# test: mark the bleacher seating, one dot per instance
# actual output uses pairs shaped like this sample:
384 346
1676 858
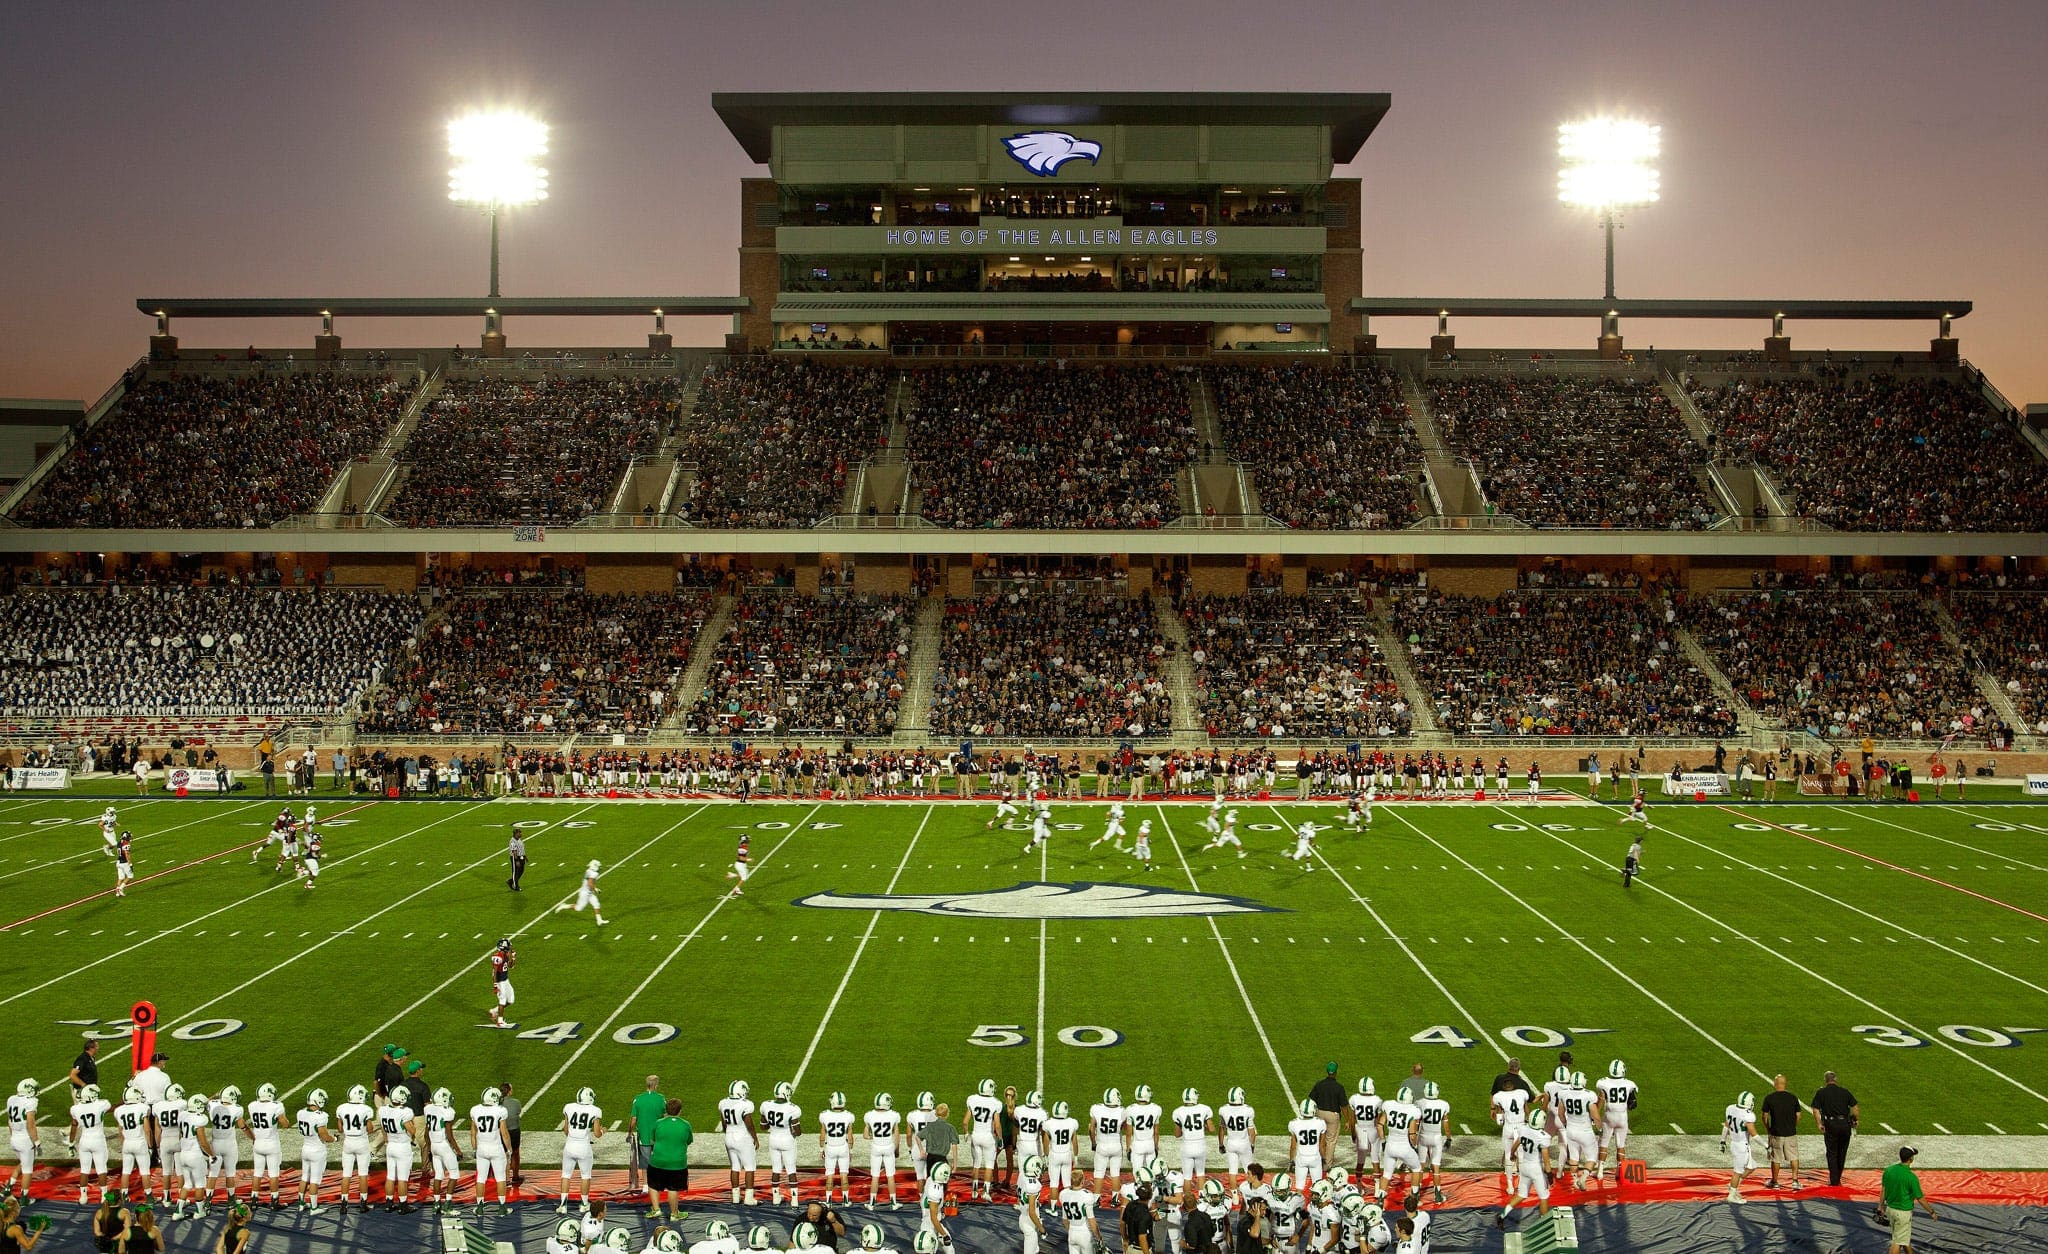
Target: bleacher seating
794 664
1041 665
2008 633
214 450
1328 448
1569 450
1566 662
512 450
1280 667
1881 452
775 441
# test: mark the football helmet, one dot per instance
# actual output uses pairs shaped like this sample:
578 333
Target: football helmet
941 1173
90 1093
1034 1166
1144 1093
669 1241
317 1099
266 1092
987 1088
1189 1097
925 1242
569 1232
1059 1110
884 1102
717 1230
1283 1184
871 1236
925 1100
1308 1109
443 1097
1371 1216
1034 1098
805 1237
27 1088
1110 1097
492 1097
131 1094
1578 1079
357 1093
1563 1075
1430 1091
1617 1069
620 1239
504 944
1234 1096
1354 1207
759 1238
196 1104
399 1094
784 1090
1143 1175
232 1095
1746 1100
1212 1190
838 1101
586 1096
1365 1087
591 869
175 1093
737 1090
1320 1191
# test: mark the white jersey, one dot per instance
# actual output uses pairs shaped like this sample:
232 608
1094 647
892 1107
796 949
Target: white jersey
440 1122
1365 1111
354 1118
1030 1126
1306 1135
1434 1116
266 1120
1617 1097
732 1117
309 1124
168 1124
392 1119
1106 1125
1192 1121
91 1118
881 1127
1738 1125
581 1119
222 1117
1552 1092
1511 1108
488 1122
1075 1207
133 1120
836 1125
1399 1117
983 1113
1144 1120
781 1121
1529 1143
20 1110
1238 1121
1060 1135
1575 1108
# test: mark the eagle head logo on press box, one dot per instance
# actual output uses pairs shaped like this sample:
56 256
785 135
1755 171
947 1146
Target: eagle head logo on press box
1044 152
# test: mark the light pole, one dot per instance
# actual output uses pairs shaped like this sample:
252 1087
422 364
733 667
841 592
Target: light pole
1607 168
495 155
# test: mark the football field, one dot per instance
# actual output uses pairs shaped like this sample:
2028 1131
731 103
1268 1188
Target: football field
905 946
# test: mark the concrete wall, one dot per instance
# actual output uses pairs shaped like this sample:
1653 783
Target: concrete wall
1216 576
1471 579
611 573
394 574
889 575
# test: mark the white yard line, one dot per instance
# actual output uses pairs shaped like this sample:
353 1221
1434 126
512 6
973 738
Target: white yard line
1038 1037
100 849
468 967
1279 1073
602 1028
1788 960
1875 918
844 980
1595 954
458 873
1980 816
1470 1018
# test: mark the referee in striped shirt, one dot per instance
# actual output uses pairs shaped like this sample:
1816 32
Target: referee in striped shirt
517 851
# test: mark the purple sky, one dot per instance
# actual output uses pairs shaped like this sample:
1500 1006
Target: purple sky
1863 150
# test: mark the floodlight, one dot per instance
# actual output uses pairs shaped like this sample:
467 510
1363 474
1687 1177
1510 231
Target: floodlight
1607 168
495 154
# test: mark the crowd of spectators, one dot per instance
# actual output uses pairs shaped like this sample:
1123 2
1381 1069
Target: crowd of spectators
1840 663
1882 452
1019 663
1557 450
214 451
541 663
547 450
1049 445
1278 667
1328 448
168 651
775 439
1577 663
2006 633
808 664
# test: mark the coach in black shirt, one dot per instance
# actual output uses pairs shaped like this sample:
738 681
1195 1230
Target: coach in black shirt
1197 1232
1835 1108
1512 1078
1137 1221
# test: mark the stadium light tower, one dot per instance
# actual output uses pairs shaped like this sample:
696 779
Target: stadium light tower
495 154
1607 167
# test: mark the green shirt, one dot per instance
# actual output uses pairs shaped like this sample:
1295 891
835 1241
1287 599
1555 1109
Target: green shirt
1901 1187
647 1111
672 1137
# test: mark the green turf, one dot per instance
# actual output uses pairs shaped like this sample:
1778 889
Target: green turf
1715 970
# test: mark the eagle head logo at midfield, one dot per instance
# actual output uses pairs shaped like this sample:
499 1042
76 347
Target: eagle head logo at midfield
1044 152
1037 900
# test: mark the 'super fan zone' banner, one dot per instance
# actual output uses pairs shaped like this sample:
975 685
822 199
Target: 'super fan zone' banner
39 777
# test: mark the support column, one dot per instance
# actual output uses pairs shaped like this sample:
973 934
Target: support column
326 345
1443 343
1365 343
1777 345
659 340
494 336
1610 336
163 346
1947 348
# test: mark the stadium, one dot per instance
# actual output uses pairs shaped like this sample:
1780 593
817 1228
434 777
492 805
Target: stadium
1049 647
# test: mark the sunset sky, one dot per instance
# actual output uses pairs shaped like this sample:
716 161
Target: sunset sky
1812 150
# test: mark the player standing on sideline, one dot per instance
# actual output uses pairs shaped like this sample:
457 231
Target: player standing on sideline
741 867
1077 1207
1433 1135
582 1124
1030 1116
488 1146
1738 1125
1193 1119
309 861
1399 1127
124 864
736 1120
1305 845
314 1138
355 1119
445 1165
586 895
1145 1117
884 1127
1029 1181
984 1112
224 1118
194 1148
835 1146
89 1134
1617 1098
1141 844
1309 1136
1363 1109
782 1119
1579 1110
913 1127
1062 1131
1529 1144
931 1205
1113 831
1511 1112
1237 1133
167 1113
401 1143
502 959
133 1117
1553 1092
264 1120
1106 1123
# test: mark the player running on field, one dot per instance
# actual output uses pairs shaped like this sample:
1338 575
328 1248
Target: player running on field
1636 812
1141 844
1305 845
124 864
1228 834
1113 831
1041 827
742 867
1359 810
1006 807
586 894
309 860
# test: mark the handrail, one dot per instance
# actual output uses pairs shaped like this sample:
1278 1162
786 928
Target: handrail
189 362
92 416
478 367
1547 365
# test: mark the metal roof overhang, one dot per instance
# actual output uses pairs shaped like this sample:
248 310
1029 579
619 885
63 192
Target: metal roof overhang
1472 307
442 306
1044 307
753 116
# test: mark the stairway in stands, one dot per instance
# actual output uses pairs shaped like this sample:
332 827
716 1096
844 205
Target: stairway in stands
914 712
1697 654
1394 651
1987 683
703 651
1180 671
